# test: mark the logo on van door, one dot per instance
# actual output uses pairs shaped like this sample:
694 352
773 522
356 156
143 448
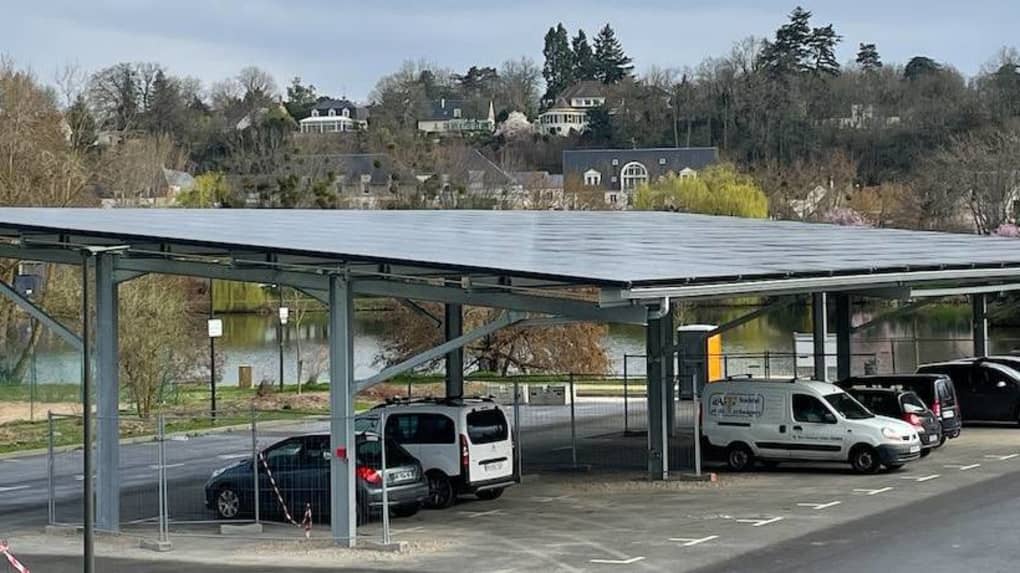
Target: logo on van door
737 405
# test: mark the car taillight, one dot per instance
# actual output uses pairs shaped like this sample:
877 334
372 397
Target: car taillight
912 419
465 455
936 409
368 474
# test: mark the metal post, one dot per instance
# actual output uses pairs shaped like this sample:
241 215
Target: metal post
343 525
892 354
664 422
385 487
843 350
279 322
518 452
626 409
107 396
453 326
255 461
768 366
979 321
50 472
917 344
88 511
212 358
655 395
697 425
819 330
33 389
573 425
161 444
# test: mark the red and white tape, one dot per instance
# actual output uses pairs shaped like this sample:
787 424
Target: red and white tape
5 550
306 521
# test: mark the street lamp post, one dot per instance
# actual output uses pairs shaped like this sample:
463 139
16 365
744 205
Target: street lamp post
284 314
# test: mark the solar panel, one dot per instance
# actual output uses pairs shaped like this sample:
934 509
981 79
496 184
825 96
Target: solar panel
608 248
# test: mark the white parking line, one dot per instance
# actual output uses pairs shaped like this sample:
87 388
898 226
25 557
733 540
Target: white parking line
760 522
873 491
233 456
168 466
963 468
474 514
617 561
1001 458
691 542
548 499
820 506
13 488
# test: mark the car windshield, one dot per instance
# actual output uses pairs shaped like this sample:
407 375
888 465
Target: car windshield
846 405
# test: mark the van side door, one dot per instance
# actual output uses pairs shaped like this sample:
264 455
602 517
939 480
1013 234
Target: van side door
430 437
816 433
996 393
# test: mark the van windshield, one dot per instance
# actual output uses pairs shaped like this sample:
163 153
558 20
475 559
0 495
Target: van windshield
846 405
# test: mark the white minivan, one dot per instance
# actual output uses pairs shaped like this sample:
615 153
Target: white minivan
775 421
464 444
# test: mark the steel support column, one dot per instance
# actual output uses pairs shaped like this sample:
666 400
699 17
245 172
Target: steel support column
819 329
343 524
843 331
979 323
453 326
107 397
659 354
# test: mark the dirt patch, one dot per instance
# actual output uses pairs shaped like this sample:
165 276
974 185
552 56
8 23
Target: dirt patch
18 411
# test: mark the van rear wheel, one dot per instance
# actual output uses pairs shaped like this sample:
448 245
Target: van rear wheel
441 494
489 494
739 457
864 459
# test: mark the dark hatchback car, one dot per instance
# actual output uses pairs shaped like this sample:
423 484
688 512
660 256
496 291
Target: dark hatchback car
936 390
906 406
300 467
989 387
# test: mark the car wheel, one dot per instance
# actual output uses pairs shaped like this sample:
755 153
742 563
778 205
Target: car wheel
739 457
864 459
490 494
441 495
894 467
942 440
228 503
406 510
926 452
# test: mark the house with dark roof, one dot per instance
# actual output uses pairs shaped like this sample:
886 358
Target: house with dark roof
569 112
615 174
335 116
539 190
455 116
463 178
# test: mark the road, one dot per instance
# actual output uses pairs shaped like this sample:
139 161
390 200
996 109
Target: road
24 486
971 529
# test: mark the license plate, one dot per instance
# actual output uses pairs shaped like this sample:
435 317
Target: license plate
932 437
948 414
494 466
403 476
915 449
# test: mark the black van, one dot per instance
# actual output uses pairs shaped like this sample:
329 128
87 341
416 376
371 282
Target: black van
989 390
936 389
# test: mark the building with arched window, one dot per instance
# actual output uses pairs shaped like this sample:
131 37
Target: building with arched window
618 173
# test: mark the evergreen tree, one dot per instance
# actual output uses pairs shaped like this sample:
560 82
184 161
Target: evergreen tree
600 126
868 58
300 99
165 112
920 66
611 64
789 51
559 61
584 58
822 51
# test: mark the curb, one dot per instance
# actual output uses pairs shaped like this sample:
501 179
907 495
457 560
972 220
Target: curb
150 438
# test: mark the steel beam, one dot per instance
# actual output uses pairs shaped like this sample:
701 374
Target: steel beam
843 331
898 311
107 396
343 507
504 320
964 290
659 358
60 256
229 272
421 310
453 327
39 314
979 323
819 332
754 314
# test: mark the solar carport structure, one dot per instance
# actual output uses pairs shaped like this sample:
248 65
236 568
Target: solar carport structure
540 267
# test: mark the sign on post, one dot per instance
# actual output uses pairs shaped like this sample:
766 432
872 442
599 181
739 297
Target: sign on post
284 314
215 328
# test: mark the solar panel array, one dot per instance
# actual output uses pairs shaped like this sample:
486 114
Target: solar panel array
611 248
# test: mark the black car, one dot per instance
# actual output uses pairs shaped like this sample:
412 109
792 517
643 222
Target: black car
936 390
989 387
906 406
300 468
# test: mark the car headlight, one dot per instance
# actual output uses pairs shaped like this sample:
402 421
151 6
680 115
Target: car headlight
891 433
217 472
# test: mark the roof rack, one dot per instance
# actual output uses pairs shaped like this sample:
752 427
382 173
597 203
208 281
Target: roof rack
439 400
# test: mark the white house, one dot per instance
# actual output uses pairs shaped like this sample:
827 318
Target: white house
334 116
451 116
569 113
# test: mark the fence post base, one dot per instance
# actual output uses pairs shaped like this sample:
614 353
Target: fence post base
156 545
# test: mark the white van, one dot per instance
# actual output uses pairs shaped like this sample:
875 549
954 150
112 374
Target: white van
775 421
464 444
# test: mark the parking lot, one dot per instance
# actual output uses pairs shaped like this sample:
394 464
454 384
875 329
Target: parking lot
614 520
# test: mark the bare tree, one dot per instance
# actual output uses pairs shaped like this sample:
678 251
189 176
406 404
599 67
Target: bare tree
257 86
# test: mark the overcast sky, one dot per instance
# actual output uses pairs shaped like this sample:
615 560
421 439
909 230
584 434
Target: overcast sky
343 46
